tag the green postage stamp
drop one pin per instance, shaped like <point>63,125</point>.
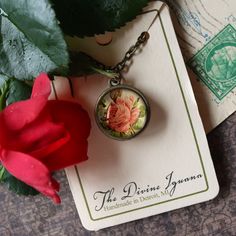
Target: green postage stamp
<point>215,63</point>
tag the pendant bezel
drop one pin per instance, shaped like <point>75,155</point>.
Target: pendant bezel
<point>107,92</point>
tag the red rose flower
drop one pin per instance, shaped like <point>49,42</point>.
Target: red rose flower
<point>38,136</point>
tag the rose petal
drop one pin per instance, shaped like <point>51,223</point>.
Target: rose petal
<point>39,134</point>
<point>77,123</point>
<point>51,147</point>
<point>36,135</point>
<point>31,171</point>
<point>134,115</point>
<point>19,114</point>
<point>70,154</point>
<point>42,86</point>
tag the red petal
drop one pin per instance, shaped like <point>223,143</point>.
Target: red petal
<point>19,114</point>
<point>42,86</point>
<point>40,133</point>
<point>77,123</point>
<point>75,119</point>
<point>51,147</point>
<point>31,171</point>
<point>70,154</point>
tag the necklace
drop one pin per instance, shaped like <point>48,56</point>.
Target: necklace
<point>122,111</point>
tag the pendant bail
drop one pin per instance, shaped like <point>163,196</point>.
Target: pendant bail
<point>116,81</point>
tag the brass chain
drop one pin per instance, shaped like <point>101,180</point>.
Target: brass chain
<point>142,39</point>
<point>144,36</point>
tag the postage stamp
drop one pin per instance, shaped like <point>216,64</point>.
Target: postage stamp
<point>215,63</point>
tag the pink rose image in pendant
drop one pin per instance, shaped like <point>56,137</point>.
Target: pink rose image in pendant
<point>122,114</point>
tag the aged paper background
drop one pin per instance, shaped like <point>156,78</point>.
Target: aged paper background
<point>209,27</point>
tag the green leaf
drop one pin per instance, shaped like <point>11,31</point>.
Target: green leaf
<point>90,17</point>
<point>142,111</point>
<point>18,91</point>
<point>4,87</point>
<point>3,80</point>
<point>138,125</point>
<point>31,41</point>
<point>14,184</point>
<point>83,64</point>
<point>2,171</point>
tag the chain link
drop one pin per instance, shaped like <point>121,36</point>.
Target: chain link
<point>142,39</point>
<point>144,36</point>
